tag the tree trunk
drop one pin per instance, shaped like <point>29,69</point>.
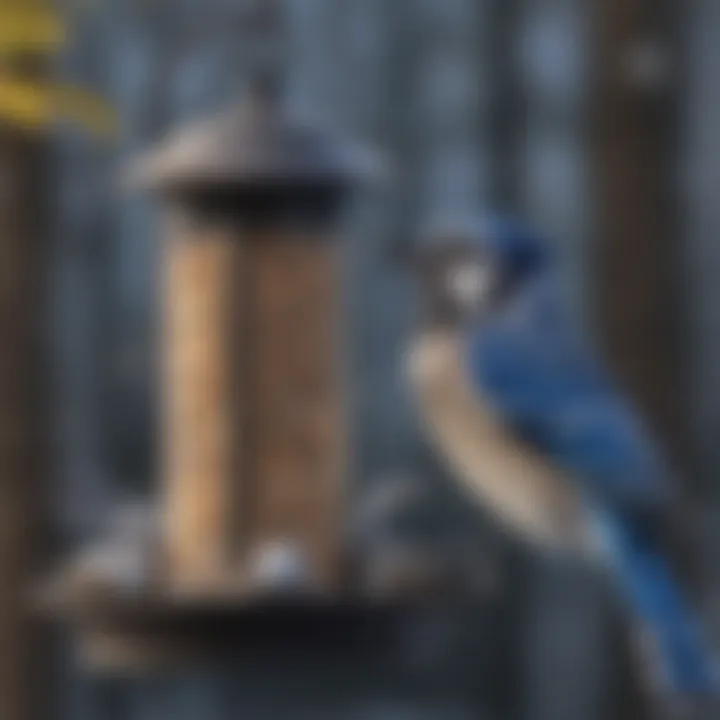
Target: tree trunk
<point>22,418</point>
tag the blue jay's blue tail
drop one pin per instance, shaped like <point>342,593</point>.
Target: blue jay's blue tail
<point>646,580</point>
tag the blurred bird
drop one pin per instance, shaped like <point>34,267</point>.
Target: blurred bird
<point>532,425</point>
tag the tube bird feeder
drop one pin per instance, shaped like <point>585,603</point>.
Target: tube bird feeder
<point>252,391</point>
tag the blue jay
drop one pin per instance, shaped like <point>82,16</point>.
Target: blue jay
<point>532,426</point>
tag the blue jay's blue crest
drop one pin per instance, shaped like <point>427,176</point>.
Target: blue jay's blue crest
<point>520,251</point>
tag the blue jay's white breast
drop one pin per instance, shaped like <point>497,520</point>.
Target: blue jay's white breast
<point>506,477</point>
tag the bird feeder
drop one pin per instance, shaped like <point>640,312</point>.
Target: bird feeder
<point>251,391</point>
<point>252,395</point>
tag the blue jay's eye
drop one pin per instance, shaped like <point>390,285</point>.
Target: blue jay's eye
<point>469,284</point>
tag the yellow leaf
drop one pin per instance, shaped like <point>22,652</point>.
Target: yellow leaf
<point>30,29</point>
<point>26,104</point>
<point>35,106</point>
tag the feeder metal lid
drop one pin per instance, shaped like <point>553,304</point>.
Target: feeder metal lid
<point>252,144</point>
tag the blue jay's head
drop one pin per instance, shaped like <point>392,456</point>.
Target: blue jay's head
<point>467,274</point>
<point>519,253</point>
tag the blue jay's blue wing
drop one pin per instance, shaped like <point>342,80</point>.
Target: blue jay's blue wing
<point>546,384</point>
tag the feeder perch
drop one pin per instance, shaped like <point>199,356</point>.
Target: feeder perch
<point>250,505</point>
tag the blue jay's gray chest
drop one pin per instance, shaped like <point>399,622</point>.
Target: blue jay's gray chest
<point>507,478</point>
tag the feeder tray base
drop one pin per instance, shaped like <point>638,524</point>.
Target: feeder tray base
<point>160,635</point>
<point>135,627</point>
